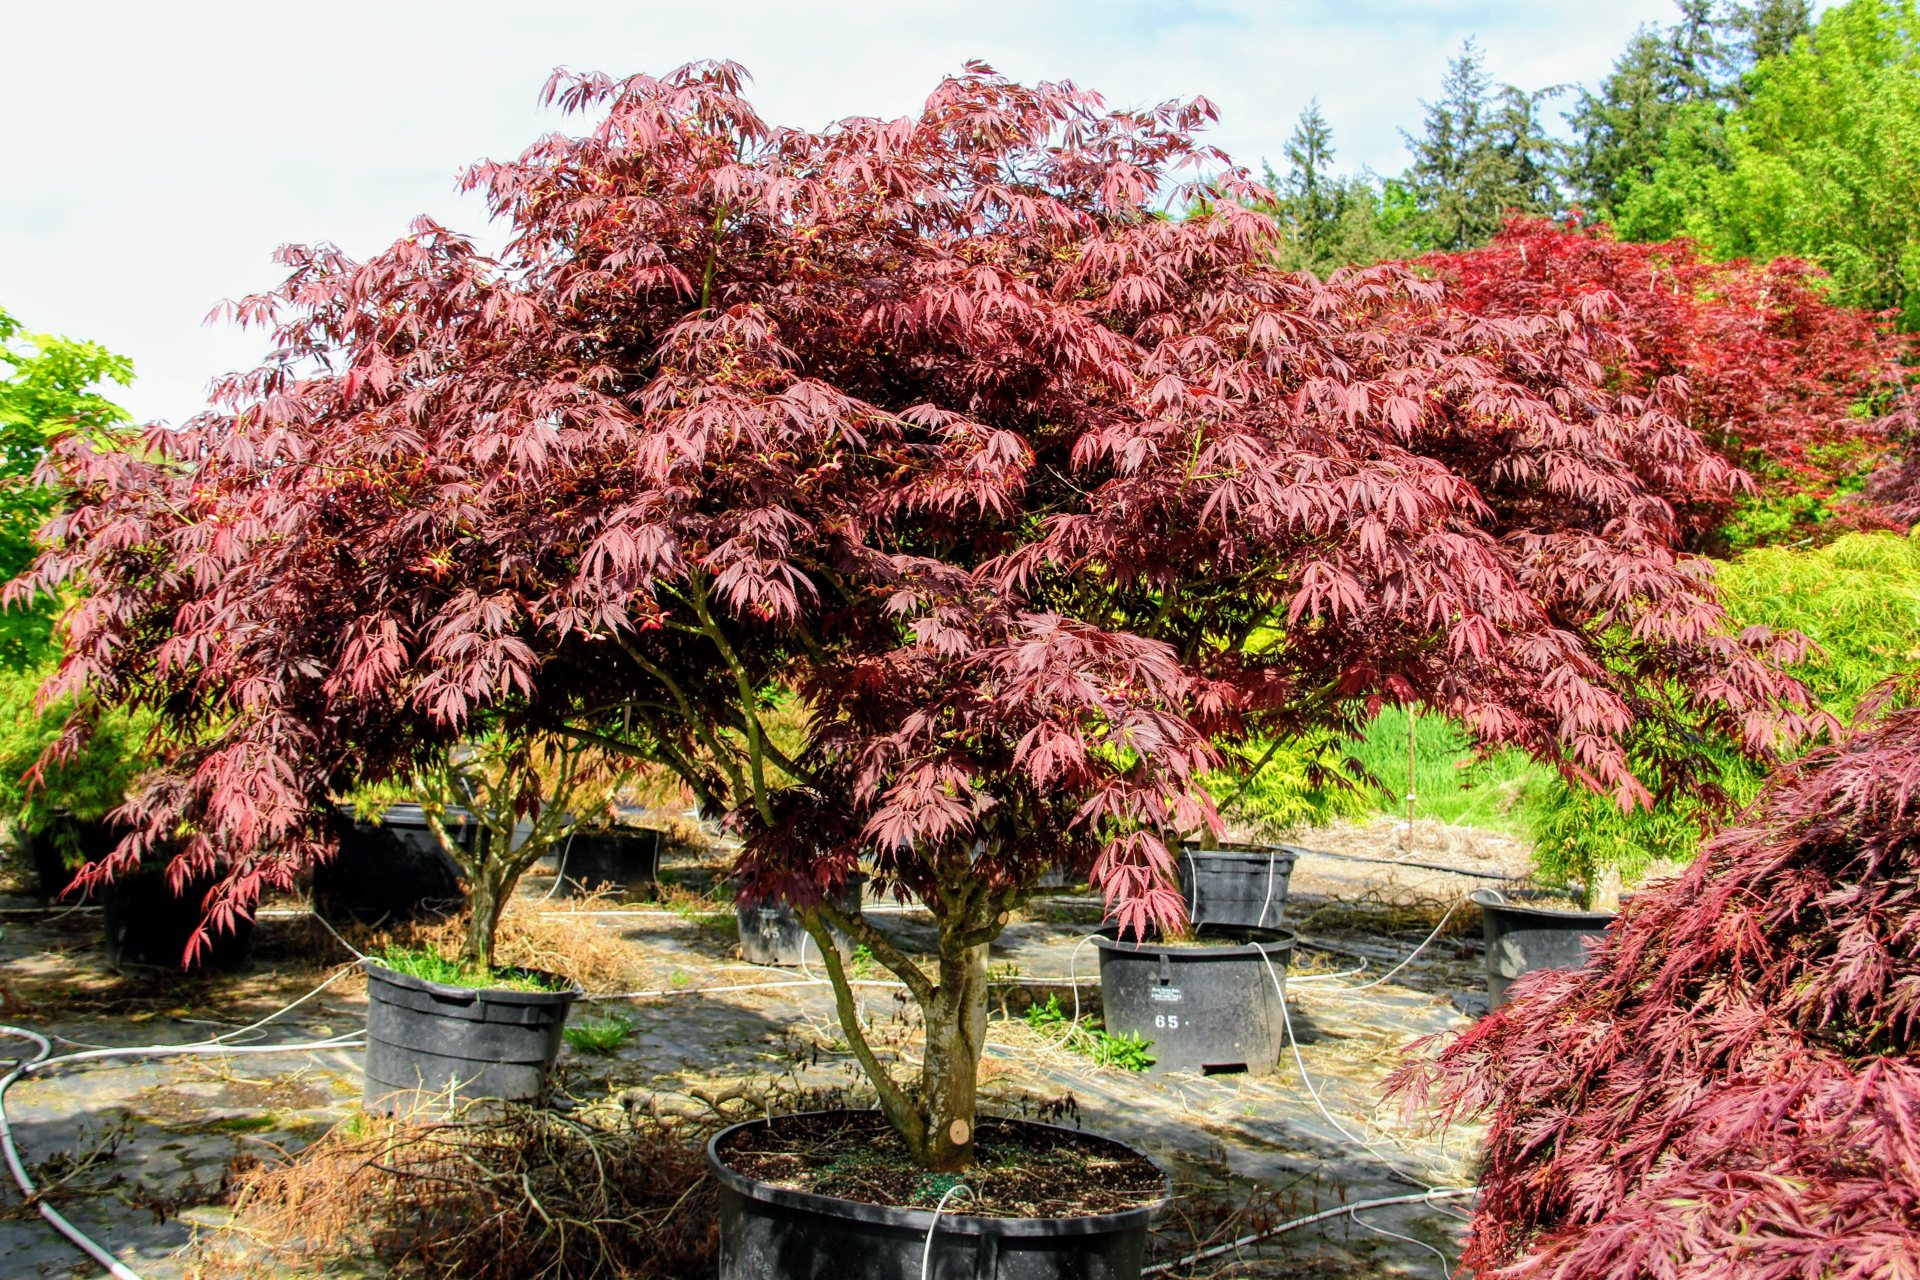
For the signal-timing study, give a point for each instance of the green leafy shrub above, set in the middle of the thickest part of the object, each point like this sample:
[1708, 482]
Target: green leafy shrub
[47, 387]
[1857, 598]
[1296, 782]
[86, 788]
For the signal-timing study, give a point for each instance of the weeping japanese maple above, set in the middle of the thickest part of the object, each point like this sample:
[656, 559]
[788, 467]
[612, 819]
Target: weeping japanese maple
[1033, 496]
[1730, 1089]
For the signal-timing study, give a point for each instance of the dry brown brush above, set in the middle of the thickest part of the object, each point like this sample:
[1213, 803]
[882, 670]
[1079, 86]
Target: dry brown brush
[516, 1194]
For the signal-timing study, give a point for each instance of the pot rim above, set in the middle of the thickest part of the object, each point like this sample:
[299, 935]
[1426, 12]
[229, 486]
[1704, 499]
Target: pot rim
[920, 1220]
[1275, 941]
[1261, 853]
[1485, 898]
[469, 995]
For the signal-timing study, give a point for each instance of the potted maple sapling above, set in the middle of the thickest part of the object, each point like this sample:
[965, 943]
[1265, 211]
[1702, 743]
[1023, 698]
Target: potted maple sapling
[1026, 492]
[461, 1025]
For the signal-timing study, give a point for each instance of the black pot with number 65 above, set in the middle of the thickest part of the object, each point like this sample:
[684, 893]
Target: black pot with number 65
[1212, 1004]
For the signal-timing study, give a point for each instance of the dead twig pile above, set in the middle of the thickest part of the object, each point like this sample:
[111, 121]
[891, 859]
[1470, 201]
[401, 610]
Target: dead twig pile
[495, 1194]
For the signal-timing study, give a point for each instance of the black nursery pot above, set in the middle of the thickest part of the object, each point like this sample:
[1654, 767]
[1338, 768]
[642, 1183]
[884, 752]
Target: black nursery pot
[428, 1041]
[1244, 885]
[147, 927]
[774, 1233]
[58, 850]
[1521, 939]
[391, 871]
[1211, 1005]
[625, 858]
[771, 933]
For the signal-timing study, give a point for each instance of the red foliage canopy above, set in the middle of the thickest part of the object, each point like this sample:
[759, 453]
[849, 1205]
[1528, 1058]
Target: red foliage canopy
[1029, 491]
[1800, 392]
[1730, 1089]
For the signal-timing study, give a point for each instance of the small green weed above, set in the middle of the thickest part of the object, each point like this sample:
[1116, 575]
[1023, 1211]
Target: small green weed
[601, 1035]
[1124, 1051]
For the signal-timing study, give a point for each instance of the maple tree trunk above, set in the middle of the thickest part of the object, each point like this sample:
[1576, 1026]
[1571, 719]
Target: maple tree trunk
[489, 887]
[936, 1118]
[956, 1034]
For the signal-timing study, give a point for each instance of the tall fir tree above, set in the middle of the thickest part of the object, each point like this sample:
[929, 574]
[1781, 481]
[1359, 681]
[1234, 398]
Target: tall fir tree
[1483, 154]
[1668, 93]
[1621, 131]
[1331, 220]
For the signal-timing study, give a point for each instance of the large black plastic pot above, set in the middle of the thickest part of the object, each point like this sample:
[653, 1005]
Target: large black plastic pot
[771, 933]
[1521, 939]
[1243, 885]
[1210, 1005]
[147, 927]
[59, 849]
[773, 1233]
[626, 859]
[392, 870]
[427, 1041]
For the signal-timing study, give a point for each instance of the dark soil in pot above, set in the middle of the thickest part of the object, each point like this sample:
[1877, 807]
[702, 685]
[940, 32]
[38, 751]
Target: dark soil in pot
[834, 1196]
[429, 1041]
[625, 859]
[391, 871]
[147, 927]
[1522, 938]
[1210, 1005]
[771, 933]
[1243, 885]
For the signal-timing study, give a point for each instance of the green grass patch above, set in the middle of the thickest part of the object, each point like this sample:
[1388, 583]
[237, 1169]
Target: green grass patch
[431, 966]
[601, 1036]
[1125, 1050]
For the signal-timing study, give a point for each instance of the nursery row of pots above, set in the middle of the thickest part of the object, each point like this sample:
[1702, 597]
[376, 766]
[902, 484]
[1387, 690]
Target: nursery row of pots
[1210, 1002]
[385, 871]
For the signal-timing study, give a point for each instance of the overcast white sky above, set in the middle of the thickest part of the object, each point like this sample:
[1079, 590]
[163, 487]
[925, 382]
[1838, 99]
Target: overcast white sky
[158, 152]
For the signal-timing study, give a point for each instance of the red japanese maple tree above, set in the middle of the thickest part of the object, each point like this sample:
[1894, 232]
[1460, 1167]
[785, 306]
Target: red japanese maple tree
[1034, 496]
[1730, 1089]
[1807, 396]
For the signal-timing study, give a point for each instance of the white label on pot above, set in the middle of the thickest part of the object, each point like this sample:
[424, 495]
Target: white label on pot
[1164, 995]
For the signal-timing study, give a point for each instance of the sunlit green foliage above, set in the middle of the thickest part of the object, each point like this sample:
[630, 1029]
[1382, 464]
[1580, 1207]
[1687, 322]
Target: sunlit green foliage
[1821, 161]
[1449, 783]
[47, 386]
[1305, 784]
[1300, 782]
[1858, 598]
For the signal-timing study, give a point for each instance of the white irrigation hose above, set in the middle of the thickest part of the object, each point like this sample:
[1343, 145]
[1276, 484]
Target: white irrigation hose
[926, 1251]
[1358, 1206]
[54, 1217]
[44, 1060]
[560, 865]
[1300, 1064]
[1409, 959]
[1446, 1268]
